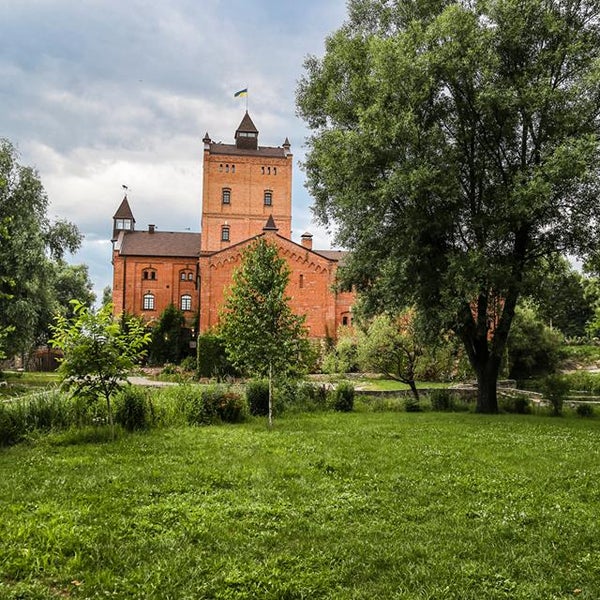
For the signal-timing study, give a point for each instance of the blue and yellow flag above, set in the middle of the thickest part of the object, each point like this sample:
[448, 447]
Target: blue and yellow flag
[241, 93]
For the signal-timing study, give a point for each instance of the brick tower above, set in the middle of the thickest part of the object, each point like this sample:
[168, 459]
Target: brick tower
[244, 184]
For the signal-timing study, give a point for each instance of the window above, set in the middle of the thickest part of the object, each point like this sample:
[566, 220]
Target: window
[226, 196]
[190, 276]
[182, 276]
[268, 198]
[225, 233]
[186, 302]
[301, 281]
[186, 276]
[274, 170]
[149, 274]
[221, 168]
[122, 223]
[344, 320]
[148, 301]
[226, 168]
[233, 168]
[262, 170]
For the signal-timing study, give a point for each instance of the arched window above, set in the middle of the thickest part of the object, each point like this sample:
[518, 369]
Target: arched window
[186, 275]
[148, 302]
[225, 233]
[149, 274]
[268, 198]
[226, 195]
[186, 302]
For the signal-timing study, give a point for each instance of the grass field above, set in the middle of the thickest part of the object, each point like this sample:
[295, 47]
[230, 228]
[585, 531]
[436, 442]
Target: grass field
[360, 505]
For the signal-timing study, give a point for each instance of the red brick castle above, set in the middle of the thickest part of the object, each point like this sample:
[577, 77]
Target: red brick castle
[247, 193]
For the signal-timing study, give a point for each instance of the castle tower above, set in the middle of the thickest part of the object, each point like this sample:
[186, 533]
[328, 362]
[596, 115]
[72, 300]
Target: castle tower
[244, 184]
[123, 219]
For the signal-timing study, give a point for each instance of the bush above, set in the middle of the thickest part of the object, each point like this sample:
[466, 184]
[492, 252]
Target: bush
[189, 363]
[257, 396]
[584, 410]
[133, 409]
[232, 408]
[533, 348]
[441, 399]
[412, 405]
[556, 389]
[40, 412]
[342, 397]
[299, 396]
[212, 358]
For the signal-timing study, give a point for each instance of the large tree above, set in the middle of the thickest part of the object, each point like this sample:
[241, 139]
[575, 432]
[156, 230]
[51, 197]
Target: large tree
[455, 146]
[30, 251]
[262, 336]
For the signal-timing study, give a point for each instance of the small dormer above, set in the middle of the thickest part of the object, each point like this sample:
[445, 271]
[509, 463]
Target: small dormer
[123, 219]
[246, 136]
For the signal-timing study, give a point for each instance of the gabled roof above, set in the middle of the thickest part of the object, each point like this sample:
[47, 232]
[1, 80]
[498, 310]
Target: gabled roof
[160, 243]
[246, 125]
[124, 210]
[337, 255]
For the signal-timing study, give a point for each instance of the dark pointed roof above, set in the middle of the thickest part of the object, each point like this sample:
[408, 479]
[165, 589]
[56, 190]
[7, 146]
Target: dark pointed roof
[270, 224]
[247, 125]
[286, 143]
[124, 210]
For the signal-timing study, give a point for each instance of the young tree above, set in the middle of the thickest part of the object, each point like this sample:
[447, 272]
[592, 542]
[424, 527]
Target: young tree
[29, 251]
[99, 351]
[455, 146]
[392, 346]
[262, 336]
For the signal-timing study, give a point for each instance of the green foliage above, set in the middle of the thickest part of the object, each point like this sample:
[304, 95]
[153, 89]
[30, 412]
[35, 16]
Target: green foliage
[32, 278]
[133, 409]
[168, 340]
[189, 363]
[211, 405]
[342, 397]
[454, 149]
[533, 348]
[293, 395]
[515, 403]
[556, 389]
[257, 325]
[257, 397]
[212, 357]
[343, 357]
[41, 412]
[441, 399]
[99, 350]
[585, 410]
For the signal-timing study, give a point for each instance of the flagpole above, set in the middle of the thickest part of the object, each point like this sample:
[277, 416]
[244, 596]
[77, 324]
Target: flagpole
[247, 99]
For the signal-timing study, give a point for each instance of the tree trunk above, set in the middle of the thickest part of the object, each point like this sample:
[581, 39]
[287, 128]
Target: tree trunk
[270, 395]
[110, 416]
[487, 380]
[413, 389]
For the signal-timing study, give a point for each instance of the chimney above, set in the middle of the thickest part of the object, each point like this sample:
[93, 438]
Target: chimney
[306, 240]
[151, 228]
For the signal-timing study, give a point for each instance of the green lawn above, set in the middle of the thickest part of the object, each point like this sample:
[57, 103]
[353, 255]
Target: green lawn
[360, 505]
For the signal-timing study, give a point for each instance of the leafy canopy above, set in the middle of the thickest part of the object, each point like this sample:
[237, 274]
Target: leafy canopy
[260, 331]
[454, 147]
[99, 350]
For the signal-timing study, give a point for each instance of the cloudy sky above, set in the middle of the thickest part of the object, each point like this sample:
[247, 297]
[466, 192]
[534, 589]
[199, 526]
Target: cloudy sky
[100, 93]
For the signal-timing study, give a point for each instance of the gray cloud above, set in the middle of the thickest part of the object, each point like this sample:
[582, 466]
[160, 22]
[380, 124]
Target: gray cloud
[101, 93]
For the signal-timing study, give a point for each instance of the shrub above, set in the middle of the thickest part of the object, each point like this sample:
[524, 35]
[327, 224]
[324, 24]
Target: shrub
[212, 358]
[257, 396]
[232, 408]
[291, 394]
[342, 397]
[133, 409]
[189, 363]
[585, 410]
[556, 389]
[441, 399]
[412, 405]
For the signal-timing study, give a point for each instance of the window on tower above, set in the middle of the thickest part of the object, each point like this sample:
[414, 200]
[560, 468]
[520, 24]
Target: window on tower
[225, 233]
[268, 198]
[226, 195]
